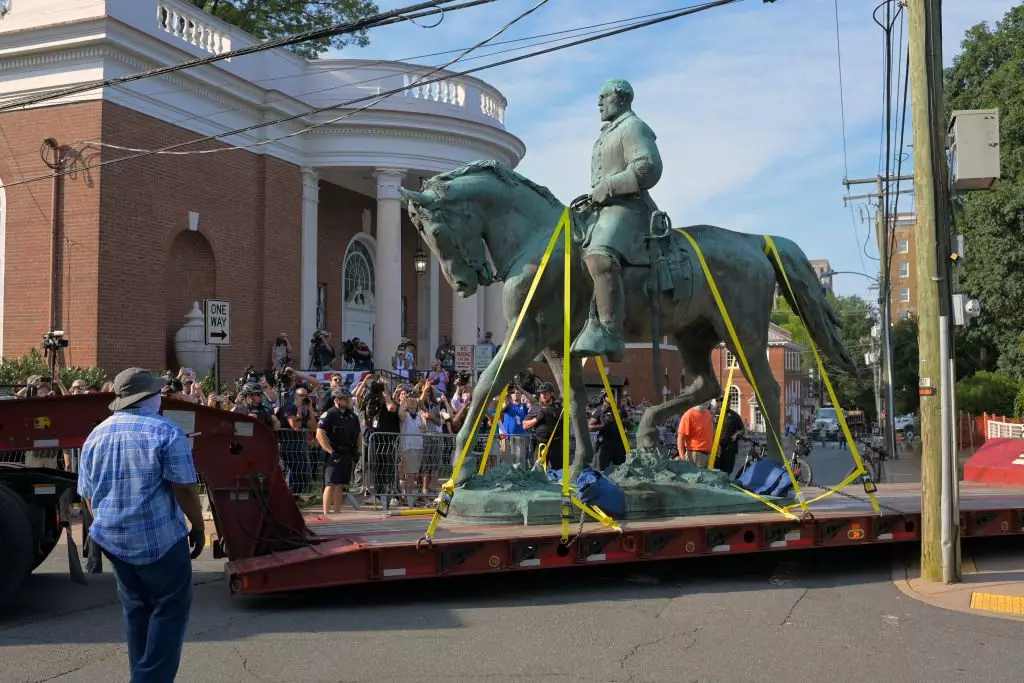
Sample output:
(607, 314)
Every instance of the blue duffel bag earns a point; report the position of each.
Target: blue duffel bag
(596, 489)
(766, 479)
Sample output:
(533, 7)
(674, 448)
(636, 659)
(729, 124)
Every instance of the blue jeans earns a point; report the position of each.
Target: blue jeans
(156, 599)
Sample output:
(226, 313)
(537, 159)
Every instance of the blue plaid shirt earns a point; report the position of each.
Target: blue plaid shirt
(128, 465)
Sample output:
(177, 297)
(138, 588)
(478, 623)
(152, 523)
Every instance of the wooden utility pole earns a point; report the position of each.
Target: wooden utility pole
(931, 191)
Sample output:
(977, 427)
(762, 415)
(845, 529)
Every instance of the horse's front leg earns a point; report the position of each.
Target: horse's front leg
(575, 407)
(487, 388)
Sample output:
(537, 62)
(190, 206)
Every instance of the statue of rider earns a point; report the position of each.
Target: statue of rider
(625, 164)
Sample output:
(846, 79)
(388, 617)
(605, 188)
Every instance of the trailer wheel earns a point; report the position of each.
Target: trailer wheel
(17, 548)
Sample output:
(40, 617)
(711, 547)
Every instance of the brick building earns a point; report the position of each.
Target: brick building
(784, 356)
(298, 233)
(904, 268)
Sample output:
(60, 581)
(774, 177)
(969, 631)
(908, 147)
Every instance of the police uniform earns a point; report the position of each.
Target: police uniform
(342, 428)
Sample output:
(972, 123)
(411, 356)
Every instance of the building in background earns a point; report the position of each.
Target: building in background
(785, 358)
(822, 266)
(903, 272)
(300, 232)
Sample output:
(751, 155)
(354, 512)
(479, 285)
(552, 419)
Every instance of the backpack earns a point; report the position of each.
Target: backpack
(596, 489)
(766, 479)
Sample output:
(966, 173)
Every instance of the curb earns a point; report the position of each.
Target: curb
(981, 603)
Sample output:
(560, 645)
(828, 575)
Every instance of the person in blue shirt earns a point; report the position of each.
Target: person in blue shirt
(138, 481)
(515, 443)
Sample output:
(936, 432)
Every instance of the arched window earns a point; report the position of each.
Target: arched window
(734, 399)
(359, 277)
(358, 291)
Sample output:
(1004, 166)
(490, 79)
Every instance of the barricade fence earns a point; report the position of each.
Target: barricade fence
(54, 458)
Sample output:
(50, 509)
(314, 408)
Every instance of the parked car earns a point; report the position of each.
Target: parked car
(908, 424)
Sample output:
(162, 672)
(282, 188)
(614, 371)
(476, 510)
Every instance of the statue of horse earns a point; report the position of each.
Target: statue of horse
(484, 207)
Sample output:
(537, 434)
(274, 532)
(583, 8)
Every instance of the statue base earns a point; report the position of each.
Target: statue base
(654, 487)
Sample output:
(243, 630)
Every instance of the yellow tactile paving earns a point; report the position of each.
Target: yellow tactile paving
(993, 602)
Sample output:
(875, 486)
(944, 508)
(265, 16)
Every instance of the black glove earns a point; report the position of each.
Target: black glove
(197, 541)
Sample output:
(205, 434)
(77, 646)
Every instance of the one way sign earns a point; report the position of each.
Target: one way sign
(217, 321)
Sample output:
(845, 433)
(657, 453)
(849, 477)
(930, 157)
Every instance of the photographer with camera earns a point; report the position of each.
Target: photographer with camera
(281, 351)
(251, 403)
(357, 354)
(543, 422)
(321, 353)
(287, 381)
(380, 415)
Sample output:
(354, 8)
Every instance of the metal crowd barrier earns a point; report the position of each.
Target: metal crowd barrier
(408, 469)
(55, 458)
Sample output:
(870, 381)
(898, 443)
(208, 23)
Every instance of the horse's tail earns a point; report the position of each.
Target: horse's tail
(809, 299)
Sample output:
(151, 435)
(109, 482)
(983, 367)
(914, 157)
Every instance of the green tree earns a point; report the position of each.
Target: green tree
(987, 392)
(269, 19)
(784, 317)
(987, 74)
(857, 318)
(905, 364)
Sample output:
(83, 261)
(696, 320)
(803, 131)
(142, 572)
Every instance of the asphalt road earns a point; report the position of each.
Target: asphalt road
(815, 616)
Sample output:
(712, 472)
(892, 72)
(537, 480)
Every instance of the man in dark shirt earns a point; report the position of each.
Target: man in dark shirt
(544, 423)
(252, 404)
(608, 446)
(337, 432)
(732, 430)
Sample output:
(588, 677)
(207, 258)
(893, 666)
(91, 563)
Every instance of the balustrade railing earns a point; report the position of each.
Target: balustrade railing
(192, 27)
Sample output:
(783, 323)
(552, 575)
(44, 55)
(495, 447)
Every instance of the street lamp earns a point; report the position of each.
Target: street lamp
(420, 261)
(886, 325)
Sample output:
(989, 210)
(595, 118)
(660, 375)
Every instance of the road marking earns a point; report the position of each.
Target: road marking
(993, 602)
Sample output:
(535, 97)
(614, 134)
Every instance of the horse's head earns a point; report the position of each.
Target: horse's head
(453, 227)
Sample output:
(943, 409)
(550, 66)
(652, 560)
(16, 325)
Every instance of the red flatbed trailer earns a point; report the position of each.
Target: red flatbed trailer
(272, 548)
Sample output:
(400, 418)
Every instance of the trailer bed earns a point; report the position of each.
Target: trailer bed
(367, 547)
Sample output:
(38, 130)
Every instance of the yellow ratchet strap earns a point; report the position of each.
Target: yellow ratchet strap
(771, 251)
(597, 513)
(494, 429)
(566, 365)
(444, 500)
(615, 407)
(721, 417)
(746, 368)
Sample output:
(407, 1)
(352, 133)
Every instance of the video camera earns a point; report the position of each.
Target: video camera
(319, 337)
(248, 375)
(54, 341)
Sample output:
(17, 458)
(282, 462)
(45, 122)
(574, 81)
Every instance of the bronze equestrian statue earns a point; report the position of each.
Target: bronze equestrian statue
(484, 207)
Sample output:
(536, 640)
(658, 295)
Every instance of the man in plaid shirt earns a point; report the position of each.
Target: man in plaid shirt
(138, 480)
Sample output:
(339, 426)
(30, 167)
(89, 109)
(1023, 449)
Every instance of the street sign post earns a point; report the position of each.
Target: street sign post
(217, 331)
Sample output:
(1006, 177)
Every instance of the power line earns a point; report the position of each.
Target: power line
(422, 9)
(693, 9)
(578, 31)
(842, 115)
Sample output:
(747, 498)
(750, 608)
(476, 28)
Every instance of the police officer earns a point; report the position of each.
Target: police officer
(543, 422)
(251, 403)
(337, 432)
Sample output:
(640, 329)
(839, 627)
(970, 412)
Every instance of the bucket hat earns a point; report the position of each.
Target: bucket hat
(134, 385)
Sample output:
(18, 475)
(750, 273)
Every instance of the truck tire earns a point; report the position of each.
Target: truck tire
(17, 547)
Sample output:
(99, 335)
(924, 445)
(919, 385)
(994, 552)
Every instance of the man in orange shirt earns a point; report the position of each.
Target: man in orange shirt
(696, 435)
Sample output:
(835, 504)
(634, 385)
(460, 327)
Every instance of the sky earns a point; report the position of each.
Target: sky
(744, 99)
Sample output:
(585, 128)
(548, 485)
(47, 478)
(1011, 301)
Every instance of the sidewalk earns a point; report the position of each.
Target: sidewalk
(992, 586)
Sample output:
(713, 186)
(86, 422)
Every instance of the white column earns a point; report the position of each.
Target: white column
(308, 287)
(494, 321)
(464, 320)
(387, 329)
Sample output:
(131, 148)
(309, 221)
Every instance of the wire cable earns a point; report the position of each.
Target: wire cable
(382, 19)
(693, 9)
(579, 31)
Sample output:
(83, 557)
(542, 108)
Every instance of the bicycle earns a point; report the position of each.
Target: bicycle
(873, 458)
(798, 463)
